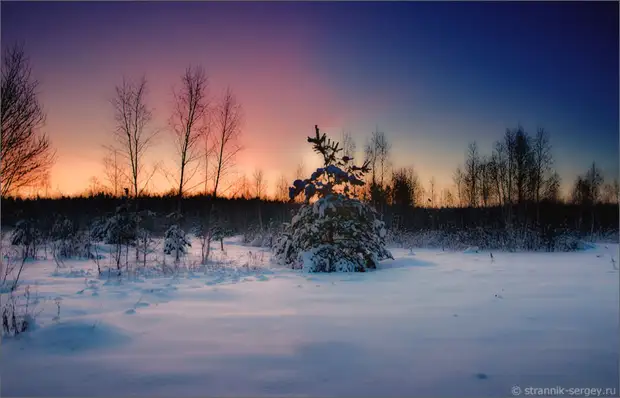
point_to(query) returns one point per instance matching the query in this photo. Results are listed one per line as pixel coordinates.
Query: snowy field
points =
(429, 323)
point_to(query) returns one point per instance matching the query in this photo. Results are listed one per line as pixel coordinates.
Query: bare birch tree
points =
(472, 170)
(189, 125)
(458, 178)
(227, 123)
(259, 184)
(132, 134)
(242, 189)
(228, 119)
(348, 145)
(432, 184)
(541, 166)
(26, 155)
(377, 152)
(282, 189)
(259, 192)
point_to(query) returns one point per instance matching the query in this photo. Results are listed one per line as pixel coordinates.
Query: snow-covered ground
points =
(431, 323)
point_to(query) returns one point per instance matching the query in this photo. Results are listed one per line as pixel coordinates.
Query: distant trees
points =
(260, 184)
(377, 154)
(458, 178)
(282, 189)
(26, 152)
(472, 174)
(448, 198)
(403, 189)
(406, 190)
(243, 188)
(348, 145)
(542, 160)
(552, 188)
(260, 187)
(432, 191)
(518, 172)
(587, 187)
(611, 192)
(95, 186)
(587, 191)
(486, 173)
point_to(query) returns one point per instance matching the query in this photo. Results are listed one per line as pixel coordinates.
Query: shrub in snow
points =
(67, 242)
(175, 240)
(219, 232)
(210, 227)
(336, 232)
(27, 236)
(119, 229)
(259, 237)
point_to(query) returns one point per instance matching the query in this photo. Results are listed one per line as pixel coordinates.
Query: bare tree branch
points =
(131, 134)
(228, 119)
(189, 123)
(26, 155)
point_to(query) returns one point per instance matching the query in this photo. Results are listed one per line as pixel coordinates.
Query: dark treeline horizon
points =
(515, 187)
(242, 214)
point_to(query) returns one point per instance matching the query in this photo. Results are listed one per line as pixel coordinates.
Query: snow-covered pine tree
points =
(63, 238)
(175, 238)
(118, 230)
(176, 241)
(333, 230)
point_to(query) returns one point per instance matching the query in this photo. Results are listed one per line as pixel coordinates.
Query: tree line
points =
(516, 181)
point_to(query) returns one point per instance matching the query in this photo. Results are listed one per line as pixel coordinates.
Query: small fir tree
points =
(333, 230)
(176, 241)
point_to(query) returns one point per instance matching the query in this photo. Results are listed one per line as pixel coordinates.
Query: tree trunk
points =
(260, 215)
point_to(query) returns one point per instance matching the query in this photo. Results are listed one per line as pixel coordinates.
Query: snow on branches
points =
(337, 232)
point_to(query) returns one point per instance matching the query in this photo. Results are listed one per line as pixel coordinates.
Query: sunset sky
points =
(432, 75)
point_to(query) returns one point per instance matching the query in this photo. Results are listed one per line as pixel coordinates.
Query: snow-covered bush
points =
(67, 241)
(119, 230)
(257, 237)
(27, 236)
(219, 232)
(175, 240)
(336, 232)
(213, 226)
